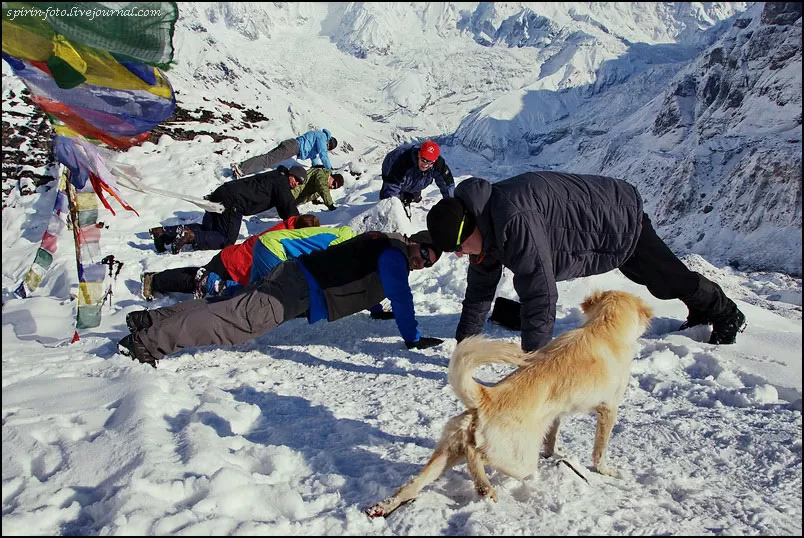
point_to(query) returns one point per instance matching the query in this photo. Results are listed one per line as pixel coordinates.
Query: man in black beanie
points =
(329, 284)
(547, 227)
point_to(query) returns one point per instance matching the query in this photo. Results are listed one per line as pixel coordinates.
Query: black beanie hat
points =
(298, 172)
(423, 238)
(444, 221)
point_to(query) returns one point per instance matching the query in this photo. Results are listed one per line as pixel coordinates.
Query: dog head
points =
(617, 308)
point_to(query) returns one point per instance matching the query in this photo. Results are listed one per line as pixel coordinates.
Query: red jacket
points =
(237, 258)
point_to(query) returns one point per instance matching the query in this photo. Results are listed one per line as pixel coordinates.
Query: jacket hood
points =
(475, 194)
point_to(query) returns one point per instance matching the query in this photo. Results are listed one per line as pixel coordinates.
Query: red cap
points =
(429, 151)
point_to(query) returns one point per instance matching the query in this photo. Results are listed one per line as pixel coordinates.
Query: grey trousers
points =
(285, 150)
(281, 295)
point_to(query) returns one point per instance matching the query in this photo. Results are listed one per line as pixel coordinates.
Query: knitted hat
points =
(423, 238)
(429, 151)
(298, 172)
(444, 223)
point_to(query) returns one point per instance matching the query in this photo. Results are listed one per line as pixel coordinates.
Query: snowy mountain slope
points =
(296, 431)
(712, 137)
(636, 90)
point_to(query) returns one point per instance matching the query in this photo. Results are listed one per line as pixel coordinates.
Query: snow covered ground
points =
(297, 431)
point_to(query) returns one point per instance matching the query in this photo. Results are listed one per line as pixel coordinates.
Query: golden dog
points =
(582, 370)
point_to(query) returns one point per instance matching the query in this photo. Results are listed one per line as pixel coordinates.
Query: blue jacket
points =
(401, 174)
(313, 146)
(392, 267)
(356, 275)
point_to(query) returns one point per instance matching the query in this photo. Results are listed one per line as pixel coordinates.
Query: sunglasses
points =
(425, 253)
(425, 161)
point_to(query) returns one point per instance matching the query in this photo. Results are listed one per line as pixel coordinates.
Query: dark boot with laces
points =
(129, 347)
(725, 329)
(184, 236)
(138, 321)
(161, 237)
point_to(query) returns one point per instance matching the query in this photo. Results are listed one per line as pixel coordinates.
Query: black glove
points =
(382, 314)
(424, 342)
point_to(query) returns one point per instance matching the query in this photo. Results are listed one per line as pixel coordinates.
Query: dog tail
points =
(472, 353)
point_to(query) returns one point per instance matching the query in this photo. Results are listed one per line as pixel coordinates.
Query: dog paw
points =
(385, 507)
(375, 511)
(605, 469)
(487, 492)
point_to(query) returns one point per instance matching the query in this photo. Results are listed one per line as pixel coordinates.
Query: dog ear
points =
(591, 300)
(645, 311)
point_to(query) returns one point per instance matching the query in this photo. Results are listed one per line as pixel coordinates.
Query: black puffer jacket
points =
(545, 227)
(258, 193)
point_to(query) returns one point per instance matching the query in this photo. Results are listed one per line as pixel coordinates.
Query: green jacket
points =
(316, 186)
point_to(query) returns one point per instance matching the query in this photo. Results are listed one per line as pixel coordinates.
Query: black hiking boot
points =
(160, 237)
(129, 347)
(724, 330)
(138, 321)
(694, 318)
(184, 236)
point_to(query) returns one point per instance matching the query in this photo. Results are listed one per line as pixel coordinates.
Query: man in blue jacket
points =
(408, 170)
(311, 145)
(548, 227)
(325, 284)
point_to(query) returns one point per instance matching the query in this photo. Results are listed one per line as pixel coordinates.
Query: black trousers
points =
(655, 266)
(216, 230)
(182, 279)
